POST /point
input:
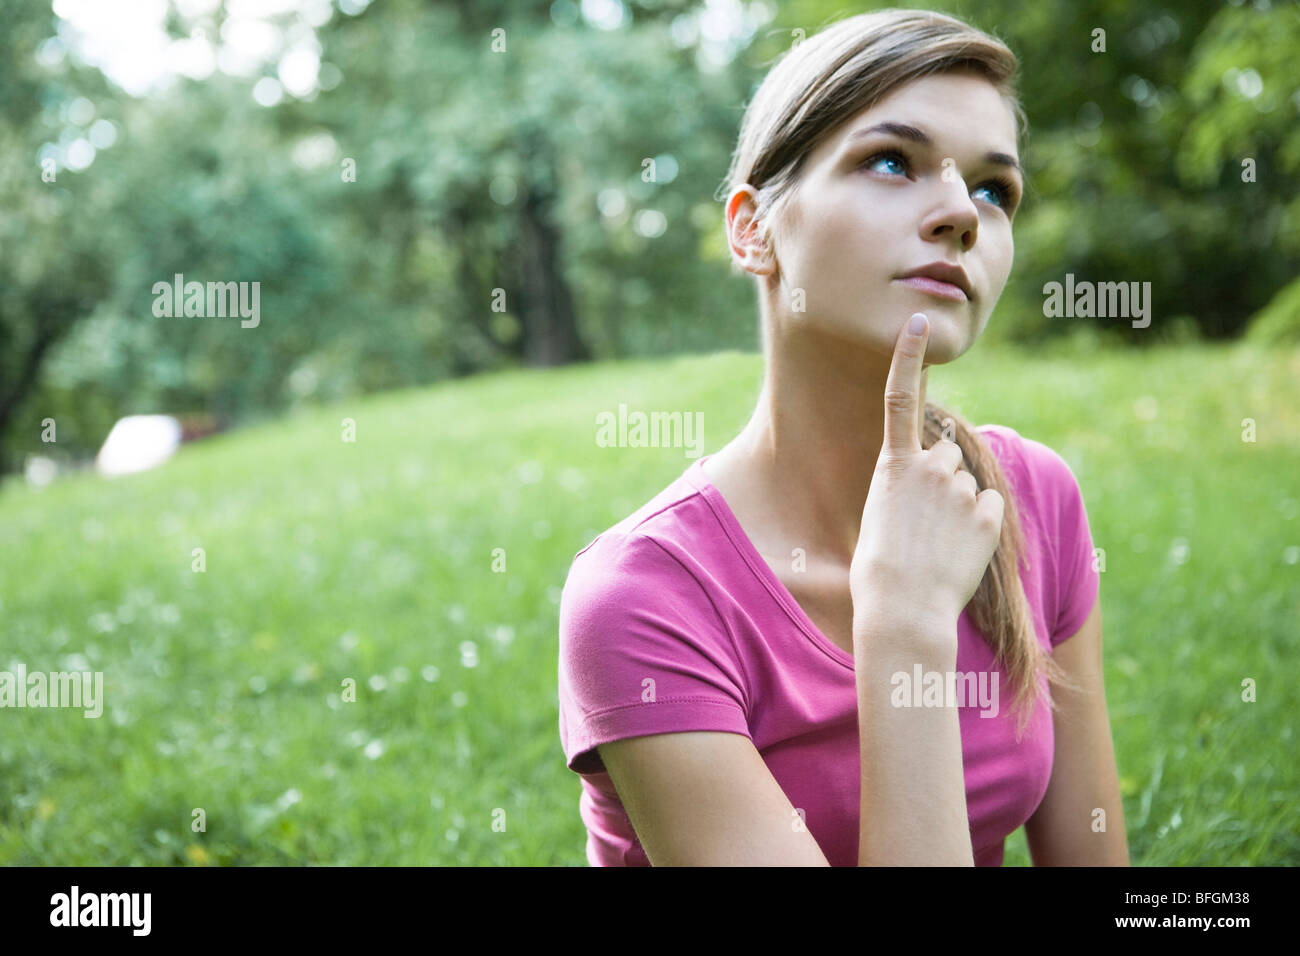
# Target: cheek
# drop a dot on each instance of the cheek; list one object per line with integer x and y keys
{"x": 1005, "y": 262}
{"x": 841, "y": 238}
{"x": 997, "y": 252}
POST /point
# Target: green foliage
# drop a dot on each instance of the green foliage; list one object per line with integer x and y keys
{"x": 1278, "y": 323}
{"x": 502, "y": 213}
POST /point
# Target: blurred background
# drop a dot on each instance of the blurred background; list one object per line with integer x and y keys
{"x": 476, "y": 225}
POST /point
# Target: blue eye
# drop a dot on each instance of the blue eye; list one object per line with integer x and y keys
{"x": 887, "y": 155}
{"x": 1002, "y": 189}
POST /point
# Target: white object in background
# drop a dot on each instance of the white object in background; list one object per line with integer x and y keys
{"x": 138, "y": 443}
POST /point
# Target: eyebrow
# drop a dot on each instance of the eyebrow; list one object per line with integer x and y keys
{"x": 903, "y": 131}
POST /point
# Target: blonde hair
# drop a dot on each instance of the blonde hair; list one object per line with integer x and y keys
{"x": 814, "y": 88}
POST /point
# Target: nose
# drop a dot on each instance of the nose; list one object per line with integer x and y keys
{"x": 954, "y": 215}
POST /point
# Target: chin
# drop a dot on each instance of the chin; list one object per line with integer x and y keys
{"x": 947, "y": 341}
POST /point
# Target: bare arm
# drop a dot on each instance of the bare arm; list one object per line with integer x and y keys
{"x": 1064, "y": 829}
{"x": 927, "y": 535}
{"x": 705, "y": 798}
{"x": 913, "y": 784}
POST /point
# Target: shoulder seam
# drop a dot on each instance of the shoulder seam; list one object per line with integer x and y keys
{"x": 634, "y": 528}
{"x": 672, "y": 504}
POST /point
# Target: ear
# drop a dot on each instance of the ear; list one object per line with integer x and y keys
{"x": 747, "y": 245}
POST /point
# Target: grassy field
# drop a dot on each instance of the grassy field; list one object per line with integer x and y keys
{"x": 372, "y": 561}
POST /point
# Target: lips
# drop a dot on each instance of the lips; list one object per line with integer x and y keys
{"x": 941, "y": 278}
{"x": 945, "y": 290}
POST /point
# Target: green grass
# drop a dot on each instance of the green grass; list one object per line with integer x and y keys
{"x": 372, "y": 560}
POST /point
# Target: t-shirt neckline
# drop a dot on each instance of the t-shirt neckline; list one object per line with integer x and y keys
{"x": 700, "y": 481}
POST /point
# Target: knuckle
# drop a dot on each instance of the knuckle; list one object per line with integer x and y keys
{"x": 936, "y": 471}
{"x": 892, "y": 465}
{"x": 897, "y": 399}
{"x": 990, "y": 518}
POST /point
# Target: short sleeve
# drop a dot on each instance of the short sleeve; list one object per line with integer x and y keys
{"x": 642, "y": 651}
{"x": 1077, "y": 583}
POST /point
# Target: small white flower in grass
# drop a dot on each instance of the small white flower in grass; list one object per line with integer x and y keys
{"x": 349, "y": 640}
{"x": 503, "y": 634}
{"x": 412, "y": 470}
{"x": 400, "y": 675}
{"x": 378, "y": 682}
{"x": 572, "y": 480}
{"x": 306, "y": 672}
{"x": 1179, "y": 551}
{"x": 1291, "y": 555}
{"x": 453, "y": 835}
{"x": 374, "y": 749}
{"x": 468, "y": 654}
{"x": 436, "y": 801}
{"x": 429, "y": 673}
{"x": 1146, "y": 408}
{"x": 289, "y": 798}
{"x": 459, "y": 699}
{"x": 456, "y": 613}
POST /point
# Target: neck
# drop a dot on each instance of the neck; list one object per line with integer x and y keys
{"x": 812, "y": 444}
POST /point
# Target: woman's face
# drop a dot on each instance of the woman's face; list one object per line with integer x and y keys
{"x": 874, "y": 204}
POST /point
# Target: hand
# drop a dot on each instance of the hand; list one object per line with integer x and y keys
{"x": 927, "y": 536}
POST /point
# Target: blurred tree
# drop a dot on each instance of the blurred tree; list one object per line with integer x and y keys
{"x": 485, "y": 184}
{"x": 55, "y": 261}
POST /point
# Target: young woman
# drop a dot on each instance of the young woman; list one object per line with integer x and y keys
{"x": 833, "y": 640}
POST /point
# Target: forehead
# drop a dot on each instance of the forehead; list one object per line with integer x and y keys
{"x": 961, "y": 111}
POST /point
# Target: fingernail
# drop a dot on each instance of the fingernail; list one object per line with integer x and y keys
{"x": 917, "y": 325}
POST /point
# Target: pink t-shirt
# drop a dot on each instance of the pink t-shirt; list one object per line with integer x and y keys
{"x": 677, "y": 593}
